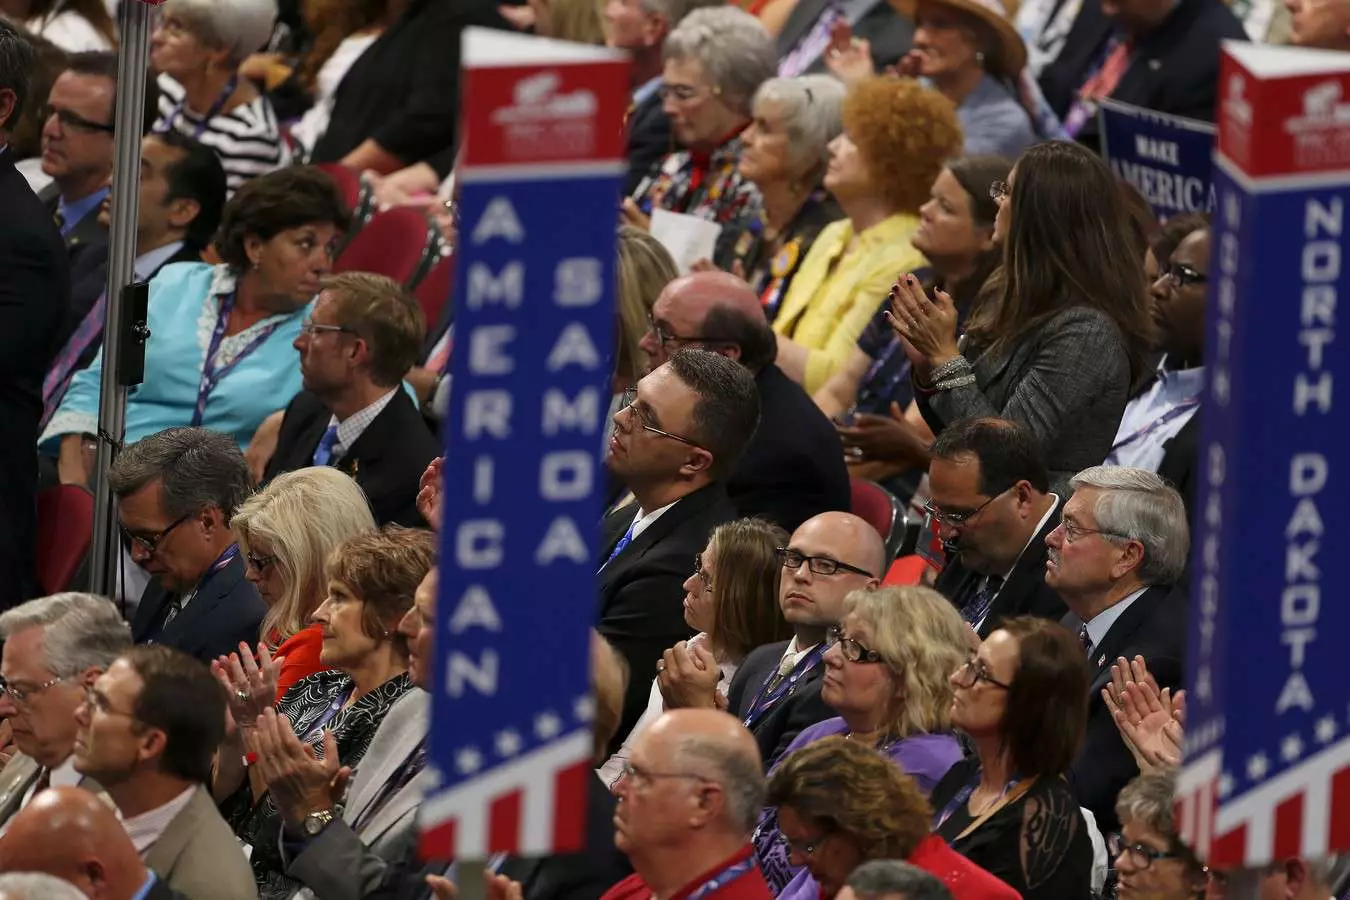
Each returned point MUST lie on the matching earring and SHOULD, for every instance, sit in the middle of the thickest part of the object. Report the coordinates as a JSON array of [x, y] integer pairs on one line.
[[979, 57]]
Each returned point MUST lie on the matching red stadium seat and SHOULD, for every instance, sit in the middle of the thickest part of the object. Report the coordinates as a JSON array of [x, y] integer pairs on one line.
[[433, 290], [394, 243], [882, 510], [65, 529], [348, 182]]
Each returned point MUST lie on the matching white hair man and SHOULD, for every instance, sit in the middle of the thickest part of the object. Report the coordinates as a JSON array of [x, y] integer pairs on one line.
[[1114, 559], [36, 886]]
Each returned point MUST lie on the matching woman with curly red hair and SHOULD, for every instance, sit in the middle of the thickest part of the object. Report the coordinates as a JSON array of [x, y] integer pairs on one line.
[[897, 136]]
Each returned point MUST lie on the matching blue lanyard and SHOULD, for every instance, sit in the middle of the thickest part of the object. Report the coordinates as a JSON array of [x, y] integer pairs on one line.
[[230, 87], [211, 373], [765, 698], [722, 878], [1157, 423], [963, 796]]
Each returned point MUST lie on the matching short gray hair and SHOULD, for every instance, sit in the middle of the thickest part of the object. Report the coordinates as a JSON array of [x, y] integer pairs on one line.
[[740, 776], [80, 631], [811, 109], [736, 53], [198, 468], [883, 877], [1139, 505], [37, 886], [1149, 800], [240, 26], [674, 11]]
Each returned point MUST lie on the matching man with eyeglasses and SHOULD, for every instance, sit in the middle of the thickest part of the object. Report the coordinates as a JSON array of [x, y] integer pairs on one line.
[[77, 146], [1115, 559], [1160, 429], [362, 336], [794, 468], [148, 732], [54, 649], [776, 691], [989, 495], [676, 439], [690, 796], [175, 493]]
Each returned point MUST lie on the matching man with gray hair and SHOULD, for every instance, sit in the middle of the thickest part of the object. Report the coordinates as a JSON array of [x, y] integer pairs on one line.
[[36, 886], [891, 879], [54, 649], [176, 491], [690, 795], [1115, 559]]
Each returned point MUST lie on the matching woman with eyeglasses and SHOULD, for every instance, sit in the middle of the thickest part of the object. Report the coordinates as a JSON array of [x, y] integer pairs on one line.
[[731, 600], [886, 674], [841, 803], [1152, 862], [286, 532], [370, 580], [1022, 700], [222, 356]]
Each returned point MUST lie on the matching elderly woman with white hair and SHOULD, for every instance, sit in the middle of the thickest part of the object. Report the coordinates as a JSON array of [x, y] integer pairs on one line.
[[197, 50], [784, 152], [714, 62]]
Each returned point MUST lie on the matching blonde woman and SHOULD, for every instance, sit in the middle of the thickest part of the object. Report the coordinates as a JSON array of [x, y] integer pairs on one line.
[[286, 532], [887, 675], [645, 268]]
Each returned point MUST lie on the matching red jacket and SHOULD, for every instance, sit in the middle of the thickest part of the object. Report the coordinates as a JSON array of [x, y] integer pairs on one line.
[[963, 878]]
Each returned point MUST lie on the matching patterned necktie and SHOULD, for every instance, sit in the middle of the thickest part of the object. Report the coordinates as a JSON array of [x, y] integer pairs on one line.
[[62, 370], [59, 220], [323, 454], [1099, 86], [810, 48], [1085, 641], [44, 781], [621, 545], [785, 667], [977, 607]]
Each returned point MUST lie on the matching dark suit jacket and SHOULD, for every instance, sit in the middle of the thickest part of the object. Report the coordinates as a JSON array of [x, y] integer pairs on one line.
[[34, 295], [779, 726], [1174, 70], [226, 610], [87, 234], [1179, 463], [890, 34], [640, 593], [1023, 594], [387, 460], [794, 467], [1154, 627], [649, 140]]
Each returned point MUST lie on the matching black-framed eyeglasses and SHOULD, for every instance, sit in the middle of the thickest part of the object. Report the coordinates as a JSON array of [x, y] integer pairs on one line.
[[74, 121], [311, 329], [1142, 855], [805, 849], [259, 563], [1180, 275], [643, 418], [682, 93], [150, 542], [973, 671], [1073, 532], [853, 651], [956, 519], [701, 572], [639, 776], [819, 565], [665, 336], [21, 693], [999, 191]]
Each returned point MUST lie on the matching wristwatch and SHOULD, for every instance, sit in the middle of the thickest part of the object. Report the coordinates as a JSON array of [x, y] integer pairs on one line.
[[316, 822]]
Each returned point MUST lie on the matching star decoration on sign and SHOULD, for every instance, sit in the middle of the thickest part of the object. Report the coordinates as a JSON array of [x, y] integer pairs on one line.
[[547, 726], [1225, 784], [1325, 729], [584, 708], [508, 743], [1257, 767], [468, 761], [1291, 748]]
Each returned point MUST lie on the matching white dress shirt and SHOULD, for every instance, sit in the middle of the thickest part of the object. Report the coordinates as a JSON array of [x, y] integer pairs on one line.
[[63, 775], [352, 427], [645, 520], [1054, 505], [147, 828], [1155, 416]]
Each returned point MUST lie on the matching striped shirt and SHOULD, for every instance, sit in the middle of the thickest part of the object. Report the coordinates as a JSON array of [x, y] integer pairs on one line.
[[247, 138]]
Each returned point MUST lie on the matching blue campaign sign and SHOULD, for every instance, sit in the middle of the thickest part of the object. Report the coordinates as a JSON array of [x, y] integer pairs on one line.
[[1166, 158], [540, 183]]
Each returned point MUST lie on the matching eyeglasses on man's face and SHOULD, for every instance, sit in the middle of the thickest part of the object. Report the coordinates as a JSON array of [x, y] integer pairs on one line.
[[151, 541], [974, 671], [73, 121], [645, 419], [664, 335], [21, 692], [956, 518], [311, 329], [638, 777], [1073, 532], [818, 565]]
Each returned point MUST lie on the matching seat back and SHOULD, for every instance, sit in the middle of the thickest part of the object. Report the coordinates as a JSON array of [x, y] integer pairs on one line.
[[882, 510], [65, 530], [394, 243], [433, 291]]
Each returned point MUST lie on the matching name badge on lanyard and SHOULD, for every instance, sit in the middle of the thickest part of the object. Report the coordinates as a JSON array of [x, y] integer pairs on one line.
[[766, 698]]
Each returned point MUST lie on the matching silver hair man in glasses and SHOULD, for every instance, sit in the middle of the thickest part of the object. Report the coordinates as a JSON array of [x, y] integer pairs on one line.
[[54, 649]]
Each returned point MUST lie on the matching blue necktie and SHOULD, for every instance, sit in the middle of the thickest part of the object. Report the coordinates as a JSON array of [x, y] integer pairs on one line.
[[323, 454], [978, 606], [619, 547]]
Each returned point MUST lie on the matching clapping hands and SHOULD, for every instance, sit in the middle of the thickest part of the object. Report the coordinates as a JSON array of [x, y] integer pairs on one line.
[[1151, 721]]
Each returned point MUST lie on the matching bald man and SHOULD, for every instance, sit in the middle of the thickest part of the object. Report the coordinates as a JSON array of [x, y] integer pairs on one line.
[[686, 809], [71, 834], [794, 468], [776, 691]]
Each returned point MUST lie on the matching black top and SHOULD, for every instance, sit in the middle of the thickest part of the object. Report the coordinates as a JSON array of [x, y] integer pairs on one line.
[[403, 92], [1038, 844]]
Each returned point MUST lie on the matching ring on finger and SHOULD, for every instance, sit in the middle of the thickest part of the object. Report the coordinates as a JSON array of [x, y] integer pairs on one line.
[[242, 695], [660, 665]]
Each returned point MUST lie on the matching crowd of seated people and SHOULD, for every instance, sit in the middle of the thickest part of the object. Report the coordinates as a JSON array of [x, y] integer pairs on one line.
[[926, 278]]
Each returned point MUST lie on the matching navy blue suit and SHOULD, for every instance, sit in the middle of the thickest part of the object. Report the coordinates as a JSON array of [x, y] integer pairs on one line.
[[225, 611]]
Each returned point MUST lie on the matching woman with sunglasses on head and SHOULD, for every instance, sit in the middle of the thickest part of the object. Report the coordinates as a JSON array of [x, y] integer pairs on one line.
[[1022, 700], [286, 533], [886, 674], [731, 600]]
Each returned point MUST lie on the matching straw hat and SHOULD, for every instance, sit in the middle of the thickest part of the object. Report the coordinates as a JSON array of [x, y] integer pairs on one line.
[[998, 15]]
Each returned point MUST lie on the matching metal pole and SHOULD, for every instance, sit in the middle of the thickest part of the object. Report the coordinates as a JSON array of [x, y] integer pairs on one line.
[[133, 61]]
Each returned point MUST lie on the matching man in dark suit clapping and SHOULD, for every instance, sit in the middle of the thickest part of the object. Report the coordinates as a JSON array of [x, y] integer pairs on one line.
[[34, 295], [989, 491]]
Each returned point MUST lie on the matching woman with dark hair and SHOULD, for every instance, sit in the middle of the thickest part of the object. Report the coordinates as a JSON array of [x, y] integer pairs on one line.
[[1022, 699], [222, 354], [76, 26], [731, 600], [841, 804], [1069, 333]]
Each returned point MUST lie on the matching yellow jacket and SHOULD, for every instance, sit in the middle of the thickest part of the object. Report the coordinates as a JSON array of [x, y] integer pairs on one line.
[[834, 295]]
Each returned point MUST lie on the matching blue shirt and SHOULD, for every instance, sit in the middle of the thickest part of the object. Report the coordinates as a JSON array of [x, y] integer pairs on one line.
[[645, 90], [73, 213], [145, 888], [994, 121]]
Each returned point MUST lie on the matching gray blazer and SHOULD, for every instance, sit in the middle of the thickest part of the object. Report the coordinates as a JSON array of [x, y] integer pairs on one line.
[[345, 864], [1067, 381], [19, 774], [199, 856]]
